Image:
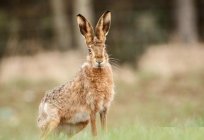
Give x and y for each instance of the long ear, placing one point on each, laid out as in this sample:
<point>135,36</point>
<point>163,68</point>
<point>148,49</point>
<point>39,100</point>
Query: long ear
<point>85,28</point>
<point>103,26</point>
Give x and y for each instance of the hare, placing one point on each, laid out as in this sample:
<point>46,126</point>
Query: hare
<point>70,107</point>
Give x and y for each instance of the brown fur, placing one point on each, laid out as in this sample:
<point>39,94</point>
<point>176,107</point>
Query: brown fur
<point>70,107</point>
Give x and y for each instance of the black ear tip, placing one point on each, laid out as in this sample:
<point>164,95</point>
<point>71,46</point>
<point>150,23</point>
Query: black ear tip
<point>79,15</point>
<point>107,12</point>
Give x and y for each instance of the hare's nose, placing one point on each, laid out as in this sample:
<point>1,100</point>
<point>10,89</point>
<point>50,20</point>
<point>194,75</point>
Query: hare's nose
<point>99,61</point>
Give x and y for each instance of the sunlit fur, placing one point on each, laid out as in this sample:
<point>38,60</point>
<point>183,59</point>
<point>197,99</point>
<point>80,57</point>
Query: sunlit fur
<point>71,106</point>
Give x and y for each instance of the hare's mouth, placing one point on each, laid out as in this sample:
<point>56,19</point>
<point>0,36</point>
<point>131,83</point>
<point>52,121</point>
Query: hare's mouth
<point>97,65</point>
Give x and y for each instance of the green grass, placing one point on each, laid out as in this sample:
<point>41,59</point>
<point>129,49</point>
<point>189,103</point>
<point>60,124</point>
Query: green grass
<point>126,133</point>
<point>150,133</point>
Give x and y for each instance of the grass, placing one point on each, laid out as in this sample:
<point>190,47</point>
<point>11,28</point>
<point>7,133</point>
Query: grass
<point>149,133</point>
<point>129,133</point>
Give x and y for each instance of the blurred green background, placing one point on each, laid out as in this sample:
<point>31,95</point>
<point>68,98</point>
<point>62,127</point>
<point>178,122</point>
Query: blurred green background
<point>158,52</point>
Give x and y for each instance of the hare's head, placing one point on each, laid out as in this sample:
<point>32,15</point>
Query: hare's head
<point>95,41</point>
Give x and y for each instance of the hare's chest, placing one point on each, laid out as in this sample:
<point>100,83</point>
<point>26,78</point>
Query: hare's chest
<point>95,102</point>
<point>99,99</point>
<point>98,91</point>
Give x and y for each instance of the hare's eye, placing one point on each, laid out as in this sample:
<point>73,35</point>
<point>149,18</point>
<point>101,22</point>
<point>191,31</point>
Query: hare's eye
<point>89,51</point>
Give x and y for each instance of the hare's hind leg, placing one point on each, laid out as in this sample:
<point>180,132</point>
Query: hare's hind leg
<point>52,120</point>
<point>52,125</point>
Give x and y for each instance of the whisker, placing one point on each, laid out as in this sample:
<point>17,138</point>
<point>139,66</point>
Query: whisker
<point>115,66</point>
<point>114,61</point>
<point>114,58</point>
